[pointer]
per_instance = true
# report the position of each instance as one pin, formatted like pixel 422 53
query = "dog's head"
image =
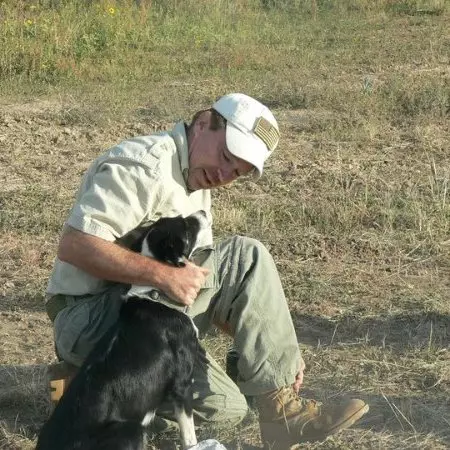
pixel 173 239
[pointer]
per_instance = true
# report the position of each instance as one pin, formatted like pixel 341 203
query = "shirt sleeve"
pixel 116 199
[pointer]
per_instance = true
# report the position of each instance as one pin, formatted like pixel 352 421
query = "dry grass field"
pixel 354 204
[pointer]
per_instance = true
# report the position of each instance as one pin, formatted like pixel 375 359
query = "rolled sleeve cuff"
pixel 90 226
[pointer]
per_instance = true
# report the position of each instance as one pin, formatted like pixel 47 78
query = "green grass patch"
pixel 254 42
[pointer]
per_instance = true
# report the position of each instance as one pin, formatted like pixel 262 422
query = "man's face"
pixel 210 163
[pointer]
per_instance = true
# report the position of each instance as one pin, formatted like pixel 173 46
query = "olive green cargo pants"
pixel 242 293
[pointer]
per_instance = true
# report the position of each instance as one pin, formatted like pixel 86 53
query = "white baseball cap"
pixel 252 132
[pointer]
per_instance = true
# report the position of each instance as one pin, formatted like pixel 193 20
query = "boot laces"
pixel 288 396
pixel 289 399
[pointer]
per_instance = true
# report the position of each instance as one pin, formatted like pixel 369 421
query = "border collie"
pixel 146 358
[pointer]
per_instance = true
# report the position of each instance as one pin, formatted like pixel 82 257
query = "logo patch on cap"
pixel 267 133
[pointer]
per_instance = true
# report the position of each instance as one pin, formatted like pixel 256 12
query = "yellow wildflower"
pixel 112 11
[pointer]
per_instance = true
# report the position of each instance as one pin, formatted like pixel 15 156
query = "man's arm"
pixel 109 261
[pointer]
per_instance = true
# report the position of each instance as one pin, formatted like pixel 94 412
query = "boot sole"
pixel 275 436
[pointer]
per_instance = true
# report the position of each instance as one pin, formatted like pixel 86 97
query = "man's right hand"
pixel 185 283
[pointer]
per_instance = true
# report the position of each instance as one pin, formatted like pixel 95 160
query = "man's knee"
pixel 253 248
pixel 254 256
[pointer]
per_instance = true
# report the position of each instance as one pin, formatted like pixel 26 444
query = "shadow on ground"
pixel 411 415
pixel 24 400
pixel 10 303
pixel 24 406
pixel 396 331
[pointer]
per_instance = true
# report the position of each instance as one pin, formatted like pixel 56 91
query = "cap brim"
pixel 246 146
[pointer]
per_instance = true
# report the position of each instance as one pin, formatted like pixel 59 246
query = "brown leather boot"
pixel 287 419
pixel 60 375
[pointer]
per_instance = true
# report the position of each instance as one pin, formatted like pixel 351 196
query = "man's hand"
pixel 185 283
pixel 299 377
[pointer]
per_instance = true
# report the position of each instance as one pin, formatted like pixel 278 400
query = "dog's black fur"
pixel 146 358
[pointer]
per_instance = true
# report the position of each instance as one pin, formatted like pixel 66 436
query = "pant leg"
pixel 250 302
pixel 79 326
pixel 216 398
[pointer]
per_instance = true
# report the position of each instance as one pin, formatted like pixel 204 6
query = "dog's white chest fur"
pixel 148 418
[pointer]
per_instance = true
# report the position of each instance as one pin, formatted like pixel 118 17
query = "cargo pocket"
pixel 69 325
pixel 205 257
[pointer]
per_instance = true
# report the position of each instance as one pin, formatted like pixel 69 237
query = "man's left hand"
pixel 299 377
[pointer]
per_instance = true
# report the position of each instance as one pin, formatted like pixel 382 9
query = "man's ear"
pixel 203 120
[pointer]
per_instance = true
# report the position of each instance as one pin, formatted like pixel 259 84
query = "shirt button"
pixel 154 295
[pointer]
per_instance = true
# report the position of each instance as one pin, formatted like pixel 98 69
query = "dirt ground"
pixel 372 313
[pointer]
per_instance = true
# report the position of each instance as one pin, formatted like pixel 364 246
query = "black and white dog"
pixel 146 358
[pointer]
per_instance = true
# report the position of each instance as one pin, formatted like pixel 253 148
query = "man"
pixel 233 284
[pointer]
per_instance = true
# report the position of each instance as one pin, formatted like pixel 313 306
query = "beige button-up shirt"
pixel 130 186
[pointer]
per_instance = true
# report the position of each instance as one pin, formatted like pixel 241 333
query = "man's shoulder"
pixel 144 149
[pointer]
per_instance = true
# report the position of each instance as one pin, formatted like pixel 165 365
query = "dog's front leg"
pixel 187 429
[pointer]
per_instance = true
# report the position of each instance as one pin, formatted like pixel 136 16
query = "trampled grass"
pixel 354 204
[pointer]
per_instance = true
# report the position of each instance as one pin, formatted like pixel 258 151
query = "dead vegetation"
pixel 354 206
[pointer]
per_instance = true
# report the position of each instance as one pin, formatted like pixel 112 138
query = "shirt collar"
pixel 179 135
